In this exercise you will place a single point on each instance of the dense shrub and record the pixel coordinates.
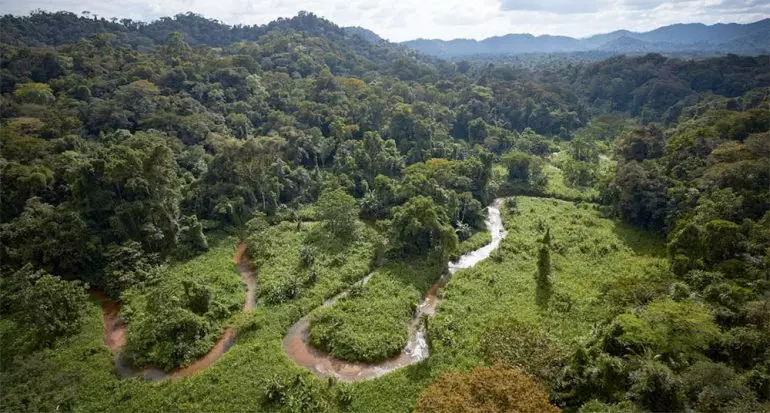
(484, 389)
(713, 387)
(519, 345)
(655, 387)
(670, 327)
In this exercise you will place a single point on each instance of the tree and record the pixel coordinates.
(55, 239)
(127, 265)
(36, 93)
(139, 98)
(421, 226)
(714, 387)
(722, 240)
(525, 170)
(53, 307)
(484, 389)
(676, 329)
(192, 240)
(339, 212)
(239, 124)
(641, 190)
(579, 173)
(642, 143)
(146, 187)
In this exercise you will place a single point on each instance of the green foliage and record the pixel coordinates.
(123, 141)
(525, 170)
(722, 240)
(177, 318)
(302, 394)
(373, 324)
(420, 226)
(669, 327)
(472, 243)
(641, 193)
(544, 285)
(339, 211)
(127, 265)
(52, 307)
(579, 173)
(37, 93)
(713, 387)
(655, 387)
(286, 274)
(55, 239)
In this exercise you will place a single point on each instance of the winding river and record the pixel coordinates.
(297, 346)
(115, 329)
(296, 343)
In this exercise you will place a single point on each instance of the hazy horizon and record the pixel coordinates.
(402, 20)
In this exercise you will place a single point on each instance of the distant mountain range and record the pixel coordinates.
(746, 39)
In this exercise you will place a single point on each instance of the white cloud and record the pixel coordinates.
(555, 6)
(399, 20)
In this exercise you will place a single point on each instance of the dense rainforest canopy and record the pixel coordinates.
(129, 150)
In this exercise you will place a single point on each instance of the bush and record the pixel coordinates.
(307, 255)
(421, 226)
(484, 389)
(520, 345)
(303, 394)
(167, 334)
(596, 406)
(179, 317)
(656, 387)
(745, 347)
(372, 324)
(525, 170)
(713, 387)
(284, 291)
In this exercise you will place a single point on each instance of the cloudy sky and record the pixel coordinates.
(399, 20)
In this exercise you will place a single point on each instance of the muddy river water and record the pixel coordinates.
(115, 329)
(297, 346)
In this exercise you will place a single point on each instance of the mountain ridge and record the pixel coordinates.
(749, 38)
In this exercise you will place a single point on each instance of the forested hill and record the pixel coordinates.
(54, 28)
(692, 39)
(57, 28)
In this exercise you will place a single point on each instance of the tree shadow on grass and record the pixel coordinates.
(543, 291)
(640, 241)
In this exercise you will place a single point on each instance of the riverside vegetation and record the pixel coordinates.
(136, 157)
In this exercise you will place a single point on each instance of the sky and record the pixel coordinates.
(399, 20)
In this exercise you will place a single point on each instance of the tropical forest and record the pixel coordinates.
(297, 216)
